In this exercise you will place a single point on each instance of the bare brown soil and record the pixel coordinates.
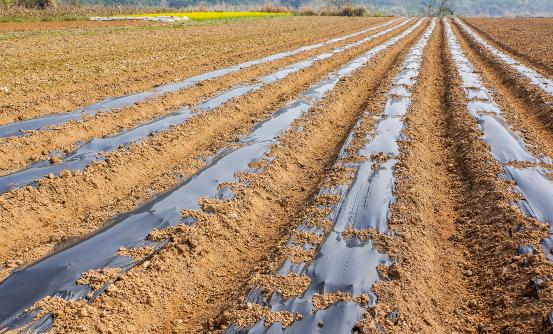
(11, 27)
(49, 73)
(520, 36)
(424, 215)
(20, 151)
(538, 105)
(494, 232)
(454, 231)
(197, 286)
(78, 203)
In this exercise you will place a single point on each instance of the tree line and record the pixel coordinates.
(395, 7)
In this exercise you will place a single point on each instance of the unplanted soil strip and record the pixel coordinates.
(113, 103)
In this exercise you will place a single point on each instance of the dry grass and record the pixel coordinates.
(333, 11)
(12, 13)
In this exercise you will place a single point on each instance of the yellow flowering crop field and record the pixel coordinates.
(204, 16)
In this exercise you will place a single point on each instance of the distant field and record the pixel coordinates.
(204, 16)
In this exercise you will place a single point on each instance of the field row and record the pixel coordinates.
(387, 175)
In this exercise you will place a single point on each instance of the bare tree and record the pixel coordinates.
(427, 11)
(430, 8)
(444, 9)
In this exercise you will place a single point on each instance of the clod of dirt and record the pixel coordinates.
(302, 238)
(55, 160)
(135, 253)
(324, 301)
(350, 233)
(250, 314)
(58, 307)
(288, 286)
(97, 278)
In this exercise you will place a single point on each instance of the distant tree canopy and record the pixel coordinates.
(504, 7)
(437, 8)
(397, 7)
(468, 7)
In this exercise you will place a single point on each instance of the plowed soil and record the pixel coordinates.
(520, 36)
(55, 72)
(455, 232)
(135, 175)
(12, 28)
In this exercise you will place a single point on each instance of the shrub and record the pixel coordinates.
(307, 11)
(344, 11)
(330, 12)
(270, 8)
(360, 11)
(347, 11)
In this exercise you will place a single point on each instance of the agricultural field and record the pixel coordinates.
(289, 175)
(528, 38)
